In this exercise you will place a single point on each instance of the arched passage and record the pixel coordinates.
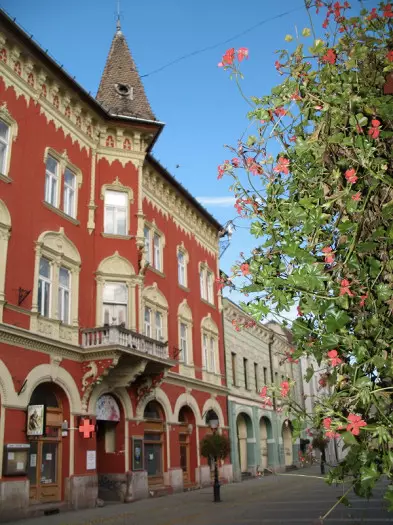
(244, 433)
(187, 444)
(48, 463)
(287, 443)
(265, 433)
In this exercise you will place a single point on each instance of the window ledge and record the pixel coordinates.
(61, 213)
(4, 178)
(207, 302)
(154, 270)
(115, 236)
(184, 288)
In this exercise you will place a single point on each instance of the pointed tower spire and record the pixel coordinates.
(121, 91)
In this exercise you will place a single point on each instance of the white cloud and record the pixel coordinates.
(217, 201)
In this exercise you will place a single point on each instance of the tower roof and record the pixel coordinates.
(121, 90)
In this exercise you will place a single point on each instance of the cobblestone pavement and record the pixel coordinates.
(298, 498)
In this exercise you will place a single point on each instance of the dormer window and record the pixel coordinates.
(124, 90)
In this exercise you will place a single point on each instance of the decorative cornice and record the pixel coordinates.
(176, 379)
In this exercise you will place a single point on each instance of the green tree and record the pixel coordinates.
(315, 178)
(215, 446)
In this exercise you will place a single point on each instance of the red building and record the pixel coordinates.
(111, 346)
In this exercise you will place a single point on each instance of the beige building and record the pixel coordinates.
(257, 356)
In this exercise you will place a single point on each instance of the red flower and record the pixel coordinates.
(235, 162)
(322, 381)
(329, 256)
(299, 311)
(327, 422)
(282, 166)
(264, 392)
(330, 56)
(293, 138)
(387, 11)
(334, 359)
(296, 96)
(357, 196)
(344, 288)
(355, 423)
(239, 206)
(254, 167)
(284, 388)
(373, 14)
(350, 176)
(245, 269)
(359, 129)
(222, 168)
(280, 112)
(228, 58)
(242, 53)
(332, 434)
(278, 66)
(374, 130)
(220, 283)
(389, 56)
(325, 23)
(363, 299)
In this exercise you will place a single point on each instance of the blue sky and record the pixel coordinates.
(199, 104)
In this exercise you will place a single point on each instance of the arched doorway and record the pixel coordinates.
(45, 415)
(287, 443)
(265, 433)
(244, 432)
(154, 439)
(187, 444)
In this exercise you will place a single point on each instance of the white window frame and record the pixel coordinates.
(157, 251)
(205, 349)
(154, 247)
(63, 290)
(12, 134)
(147, 323)
(51, 179)
(69, 194)
(184, 342)
(147, 234)
(6, 142)
(43, 280)
(182, 268)
(158, 325)
(114, 304)
(116, 210)
(212, 350)
(210, 286)
(206, 283)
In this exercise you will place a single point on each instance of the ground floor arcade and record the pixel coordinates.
(260, 439)
(68, 440)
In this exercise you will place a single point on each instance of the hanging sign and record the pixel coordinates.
(35, 420)
(86, 428)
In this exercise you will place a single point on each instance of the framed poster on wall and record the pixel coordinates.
(35, 420)
(137, 453)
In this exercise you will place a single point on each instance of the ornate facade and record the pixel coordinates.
(111, 345)
(261, 433)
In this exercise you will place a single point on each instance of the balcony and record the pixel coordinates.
(94, 338)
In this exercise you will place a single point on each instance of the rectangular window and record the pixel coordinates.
(115, 303)
(210, 286)
(146, 233)
(245, 373)
(212, 356)
(233, 361)
(264, 375)
(205, 352)
(181, 268)
(256, 376)
(44, 287)
(183, 342)
(4, 141)
(147, 321)
(157, 251)
(276, 378)
(158, 327)
(115, 221)
(69, 193)
(64, 295)
(51, 181)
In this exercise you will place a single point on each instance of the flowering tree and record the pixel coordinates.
(315, 178)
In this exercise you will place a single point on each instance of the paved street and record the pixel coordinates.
(299, 498)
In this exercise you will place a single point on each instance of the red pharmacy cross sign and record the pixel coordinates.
(86, 428)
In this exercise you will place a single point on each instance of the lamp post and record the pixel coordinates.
(216, 486)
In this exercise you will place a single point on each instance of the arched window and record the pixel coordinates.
(210, 351)
(153, 410)
(154, 246)
(155, 314)
(116, 282)
(211, 416)
(117, 199)
(56, 287)
(182, 264)
(206, 280)
(184, 316)
(43, 394)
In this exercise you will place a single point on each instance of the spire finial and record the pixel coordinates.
(118, 25)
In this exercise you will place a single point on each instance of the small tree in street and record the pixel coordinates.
(315, 178)
(215, 446)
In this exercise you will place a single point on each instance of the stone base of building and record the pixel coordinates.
(14, 499)
(174, 479)
(226, 473)
(203, 476)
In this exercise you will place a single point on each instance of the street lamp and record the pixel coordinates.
(216, 487)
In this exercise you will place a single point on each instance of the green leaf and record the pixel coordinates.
(349, 438)
(384, 291)
(306, 32)
(369, 475)
(389, 497)
(309, 373)
(336, 320)
(288, 38)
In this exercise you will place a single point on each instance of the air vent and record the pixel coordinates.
(124, 90)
